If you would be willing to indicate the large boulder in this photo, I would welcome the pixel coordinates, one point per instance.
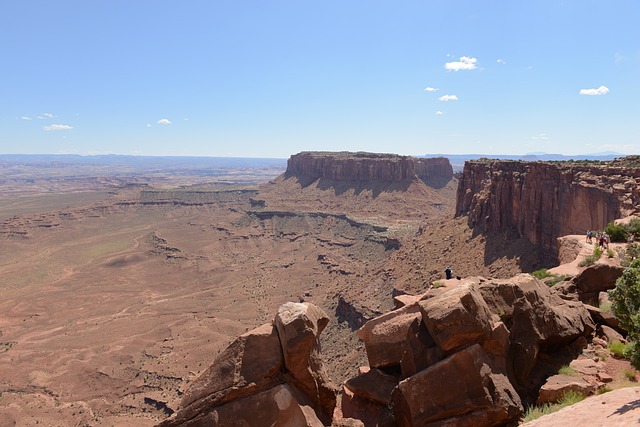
(251, 364)
(536, 319)
(461, 390)
(299, 326)
(272, 375)
(556, 387)
(458, 318)
(374, 385)
(384, 337)
(281, 406)
(595, 279)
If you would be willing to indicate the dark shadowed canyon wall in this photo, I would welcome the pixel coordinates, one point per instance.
(542, 201)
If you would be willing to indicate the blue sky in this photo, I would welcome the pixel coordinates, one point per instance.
(271, 78)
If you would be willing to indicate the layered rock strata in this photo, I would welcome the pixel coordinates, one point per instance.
(366, 167)
(543, 201)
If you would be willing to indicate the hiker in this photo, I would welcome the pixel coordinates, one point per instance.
(448, 273)
(607, 239)
(589, 235)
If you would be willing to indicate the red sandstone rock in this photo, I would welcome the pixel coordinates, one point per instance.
(557, 385)
(251, 364)
(374, 385)
(461, 390)
(457, 318)
(346, 166)
(535, 317)
(421, 350)
(281, 406)
(370, 413)
(299, 326)
(543, 201)
(384, 337)
(595, 279)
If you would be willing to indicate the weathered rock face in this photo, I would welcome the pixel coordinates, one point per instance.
(469, 355)
(543, 201)
(346, 166)
(274, 370)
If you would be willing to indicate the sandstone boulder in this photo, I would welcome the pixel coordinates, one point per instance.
(384, 337)
(281, 406)
(370, 413)
(272, 375)
(374, 385)
(595, 279)
(420, 350)
(457, 318)
(299, 326)
(536, 318)
(251, 364)
(556, 386)
(461, 390)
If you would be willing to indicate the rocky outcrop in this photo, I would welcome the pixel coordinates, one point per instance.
(470, 355)
(275, 370)
(543, 201)
(365, 167)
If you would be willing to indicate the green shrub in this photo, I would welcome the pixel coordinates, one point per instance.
(617, 232)
(604, 389)
(625, 304)
(543, 273)
(437, 285)
(568, 398)
(568, 370)
(617, 349)
(557, 278)
(610, 253)
(634, 227)
(629, 375)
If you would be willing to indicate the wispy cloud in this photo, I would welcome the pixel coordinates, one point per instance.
(465, 63)
(148, 125)
(25, 118)
(501, 61)
(541, 138)
(446, 98)
(439, 113)
(430, 89)
(48, 115)
(164, 122)
(602, 90)
(57, 127)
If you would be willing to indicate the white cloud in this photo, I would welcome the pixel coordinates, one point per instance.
(465, 63)
(164, 122)
(25, 118)
(501, 61)
(541, 138)
(602, 90)
(446, 98)
(57, 127)
(438, 113)
(148, 125)
(430, 89)
(48, 115)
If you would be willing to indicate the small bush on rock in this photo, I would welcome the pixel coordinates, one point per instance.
(543, 273)
(625, 303)
(617, 232)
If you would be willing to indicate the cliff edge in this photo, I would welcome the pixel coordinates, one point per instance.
(542, 201)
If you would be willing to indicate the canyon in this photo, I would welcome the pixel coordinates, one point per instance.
(114, 310)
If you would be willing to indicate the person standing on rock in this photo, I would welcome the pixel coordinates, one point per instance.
(448, 273)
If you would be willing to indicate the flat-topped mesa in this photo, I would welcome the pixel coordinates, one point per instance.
(360, 166)
(543, 201)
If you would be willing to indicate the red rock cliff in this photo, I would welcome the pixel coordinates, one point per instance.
(542, 201)
(346, 166)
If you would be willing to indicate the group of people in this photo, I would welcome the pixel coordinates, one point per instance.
(602, 238)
